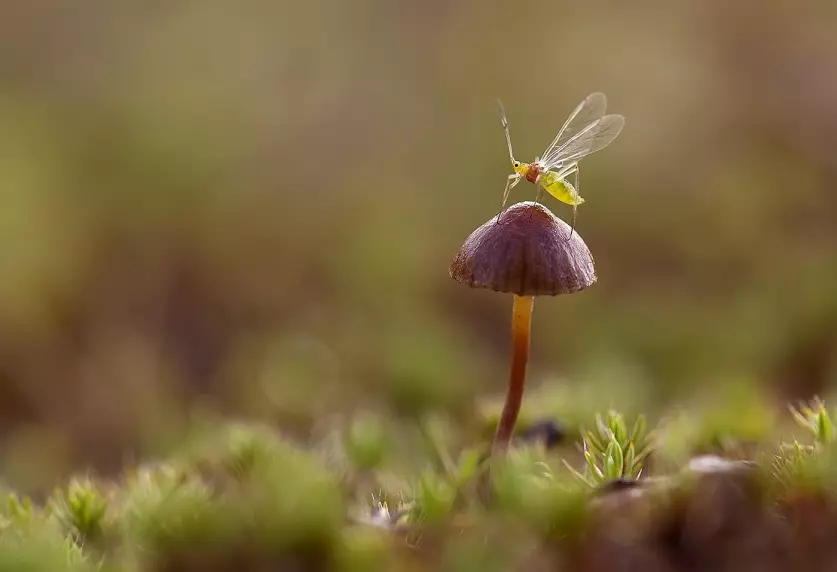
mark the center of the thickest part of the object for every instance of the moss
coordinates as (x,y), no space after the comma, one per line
(241,497)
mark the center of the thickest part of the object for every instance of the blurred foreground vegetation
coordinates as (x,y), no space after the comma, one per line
(242,497)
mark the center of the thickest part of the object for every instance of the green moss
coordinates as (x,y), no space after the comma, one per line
(366,549)
(81,508)
(550,502)
(241,496)
(366,442)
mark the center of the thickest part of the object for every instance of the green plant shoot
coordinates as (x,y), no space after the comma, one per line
(613,452)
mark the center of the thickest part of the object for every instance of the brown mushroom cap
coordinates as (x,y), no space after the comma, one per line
(525,252)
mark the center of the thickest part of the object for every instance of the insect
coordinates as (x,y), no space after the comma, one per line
(585,131)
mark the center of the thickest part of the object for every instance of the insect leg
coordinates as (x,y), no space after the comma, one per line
(540,193)
(572,170)
(575,207)
(511,181)
(510,184)
(567,170)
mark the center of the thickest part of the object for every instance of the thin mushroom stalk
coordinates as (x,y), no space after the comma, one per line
(521,332)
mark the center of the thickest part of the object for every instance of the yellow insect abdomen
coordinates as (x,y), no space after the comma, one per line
(560,189)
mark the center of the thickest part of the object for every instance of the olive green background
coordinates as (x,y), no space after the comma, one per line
(251,207)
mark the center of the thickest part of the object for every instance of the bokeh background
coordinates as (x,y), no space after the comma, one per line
(249,208)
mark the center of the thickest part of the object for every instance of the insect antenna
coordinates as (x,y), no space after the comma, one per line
(515,178)
(505,123)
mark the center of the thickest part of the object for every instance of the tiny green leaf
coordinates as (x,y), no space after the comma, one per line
(619,430)
(630,458)
(640,426)
(591,460)
(618,458)
(824,427)
(469,462)
(597,444)
(801,420)
(601,426)
(611,469)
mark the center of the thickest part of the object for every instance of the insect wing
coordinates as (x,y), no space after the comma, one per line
(594,137)
(591,109)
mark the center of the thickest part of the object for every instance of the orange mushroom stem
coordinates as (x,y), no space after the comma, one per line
(521,329)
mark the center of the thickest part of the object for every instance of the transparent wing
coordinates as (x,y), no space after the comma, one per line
(594,137)
(592,108)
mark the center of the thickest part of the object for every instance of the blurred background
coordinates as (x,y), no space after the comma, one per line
(250,208)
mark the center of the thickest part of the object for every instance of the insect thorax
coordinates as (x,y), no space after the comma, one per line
(533,172)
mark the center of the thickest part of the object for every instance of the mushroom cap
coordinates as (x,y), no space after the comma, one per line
(528,251)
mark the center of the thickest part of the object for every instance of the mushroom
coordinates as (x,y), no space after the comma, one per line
(526,251)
